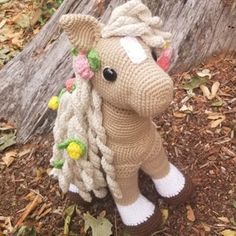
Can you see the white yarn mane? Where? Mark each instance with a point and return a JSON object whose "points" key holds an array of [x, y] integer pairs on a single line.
{"points": [[135, 19], [79, 116]]}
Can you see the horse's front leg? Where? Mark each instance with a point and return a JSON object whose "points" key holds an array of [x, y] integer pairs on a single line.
{"points": [[140, 216], [170, 183]]}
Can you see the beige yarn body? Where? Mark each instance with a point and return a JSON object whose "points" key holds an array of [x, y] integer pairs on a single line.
{"points": [[114, 118]]}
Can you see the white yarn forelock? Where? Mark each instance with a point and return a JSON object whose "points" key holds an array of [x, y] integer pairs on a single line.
{"points": [[79, 116], [135, 19]]}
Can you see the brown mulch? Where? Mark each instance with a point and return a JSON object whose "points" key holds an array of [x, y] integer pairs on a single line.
{"points": [[207, 154], [20, 21]]}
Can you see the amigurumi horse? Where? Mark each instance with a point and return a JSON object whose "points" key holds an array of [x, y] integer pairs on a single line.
{"points": [[103, 131]]}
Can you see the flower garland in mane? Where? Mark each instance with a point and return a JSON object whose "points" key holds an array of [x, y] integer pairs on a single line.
{"points": [[79, 134]]}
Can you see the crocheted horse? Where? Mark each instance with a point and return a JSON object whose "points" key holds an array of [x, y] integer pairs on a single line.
{"points": [[104, 127]]}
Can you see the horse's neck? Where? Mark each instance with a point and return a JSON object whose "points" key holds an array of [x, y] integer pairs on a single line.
{"points": [[124, 126]]}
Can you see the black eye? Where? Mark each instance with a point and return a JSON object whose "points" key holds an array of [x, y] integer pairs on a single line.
{"points": [[109, 74], [154, 55]]}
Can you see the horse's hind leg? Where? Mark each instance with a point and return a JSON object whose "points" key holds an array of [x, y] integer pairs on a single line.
{"points": [[140, 216], [170, 183]]}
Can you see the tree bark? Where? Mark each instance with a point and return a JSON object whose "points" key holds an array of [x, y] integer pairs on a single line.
{"points": [[199, 29]]}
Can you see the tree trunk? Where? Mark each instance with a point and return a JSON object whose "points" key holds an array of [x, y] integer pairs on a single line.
{"points": [[199, 29]]}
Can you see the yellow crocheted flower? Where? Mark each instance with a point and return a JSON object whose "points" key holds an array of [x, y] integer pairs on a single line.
{"points": [[74, 151], [53, 103]]}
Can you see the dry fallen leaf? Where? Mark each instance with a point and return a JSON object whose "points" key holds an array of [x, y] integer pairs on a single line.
{"points": [[213, 116], [186, 108], [2, 23], [18, 42], [214, 89], [228, 232], [179, 114], [206, 92], [7, 140], [215, 123], [217, 119], [210, 94], [22, 20], [69, 213], [9, 157], [100, 225], [223, 219], [5, 223], [4, 1], [204, 72], [26, 230], [206, 227], [165, 214], [234, 203], [24, 152], [228, 152], [103, 213], [190, 213], [217, 103], [195, 82]]}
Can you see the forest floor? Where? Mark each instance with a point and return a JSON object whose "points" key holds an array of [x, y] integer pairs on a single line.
{"points": [[20, 21], [198, 131], [199, 135]]}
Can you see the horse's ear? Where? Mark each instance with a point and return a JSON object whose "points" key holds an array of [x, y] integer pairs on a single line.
{"points": [[82, 30]]}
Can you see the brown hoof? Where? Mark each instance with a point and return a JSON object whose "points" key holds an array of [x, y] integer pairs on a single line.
{"points": [[183, 196], [148, 227]]}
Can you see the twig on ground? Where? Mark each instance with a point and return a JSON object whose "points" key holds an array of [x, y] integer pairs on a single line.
{"points": [[29, 208], [228, 226], [37, 193], [44, 213]]}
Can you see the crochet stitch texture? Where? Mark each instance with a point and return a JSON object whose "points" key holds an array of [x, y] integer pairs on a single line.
{"points": [[114, 118], [103, 132]]}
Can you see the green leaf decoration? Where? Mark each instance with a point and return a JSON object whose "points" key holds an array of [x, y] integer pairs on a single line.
{"points": [[58, 164], [94, 60], [195, 82], [74, 52], [62, 92], [82, 146], [65, 144], [100, 225], [73, 88]]}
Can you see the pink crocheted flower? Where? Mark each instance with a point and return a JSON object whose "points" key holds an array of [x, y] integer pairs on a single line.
{"points": [[69, 84], [81, 67], [165, 58]]}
